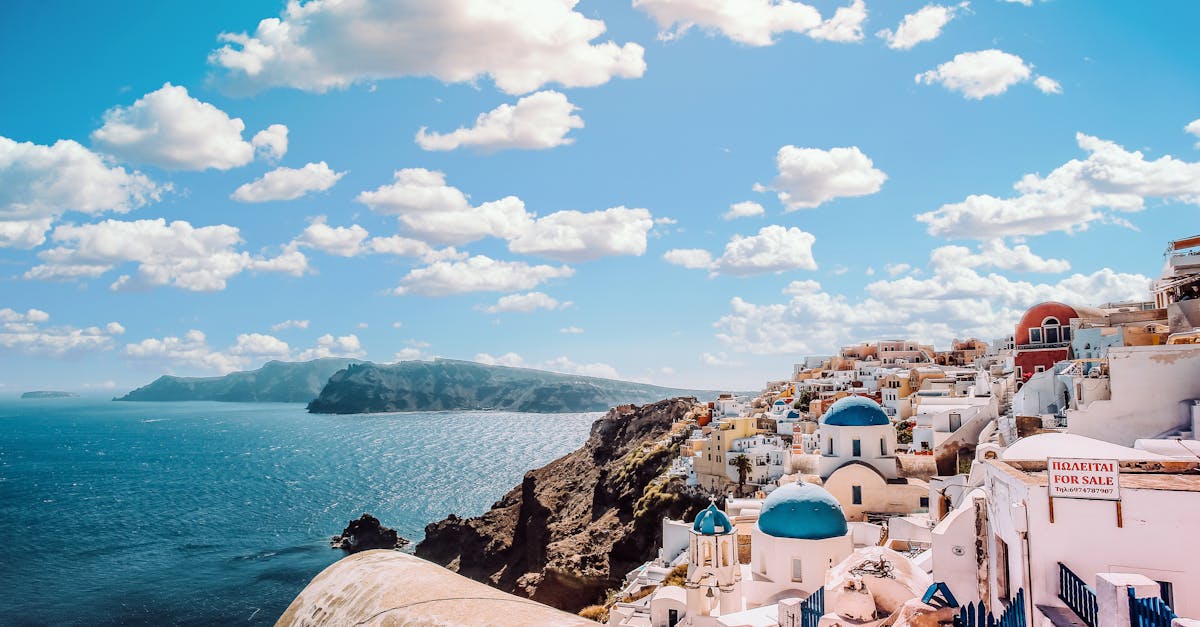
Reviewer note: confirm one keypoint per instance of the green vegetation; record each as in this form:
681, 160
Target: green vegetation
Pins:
744, 466
904, 432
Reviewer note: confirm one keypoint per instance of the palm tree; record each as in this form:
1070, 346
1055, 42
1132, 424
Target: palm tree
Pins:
743, 465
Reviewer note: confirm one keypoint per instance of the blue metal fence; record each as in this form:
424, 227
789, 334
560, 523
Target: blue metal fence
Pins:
978, 616
1152, 612
1078, 596
812, 608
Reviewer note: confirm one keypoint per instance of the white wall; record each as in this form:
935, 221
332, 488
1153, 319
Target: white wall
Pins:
1147, 384
771, 564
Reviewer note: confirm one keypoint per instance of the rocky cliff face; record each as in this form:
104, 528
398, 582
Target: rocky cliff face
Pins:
276, 382
574, 527
446, 384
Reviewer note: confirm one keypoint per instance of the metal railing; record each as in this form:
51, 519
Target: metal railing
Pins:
812, 608
1078, 596
978, 616
1151, 612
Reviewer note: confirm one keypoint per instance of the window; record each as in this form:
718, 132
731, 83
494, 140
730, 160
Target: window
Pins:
856, 446
856, 491
707, 560
831, 446
1019, 373
1066, 334
1166, 591
797, 570
925, 502
883, 447
1002, 577
1037, 369
672, 618
1035, 336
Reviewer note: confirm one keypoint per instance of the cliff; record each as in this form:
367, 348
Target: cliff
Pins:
447, 384
574, 527
275, 382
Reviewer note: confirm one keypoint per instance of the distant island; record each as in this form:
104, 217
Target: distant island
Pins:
446, 384
275, 382
49, 394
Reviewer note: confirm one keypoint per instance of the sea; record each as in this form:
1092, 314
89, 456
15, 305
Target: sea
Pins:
205, 513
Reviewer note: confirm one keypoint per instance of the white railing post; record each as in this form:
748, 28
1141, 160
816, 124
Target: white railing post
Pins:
1112, 596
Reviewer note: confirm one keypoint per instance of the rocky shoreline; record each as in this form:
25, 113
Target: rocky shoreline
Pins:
573, 528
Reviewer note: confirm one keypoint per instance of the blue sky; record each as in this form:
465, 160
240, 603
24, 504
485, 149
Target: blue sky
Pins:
194, 188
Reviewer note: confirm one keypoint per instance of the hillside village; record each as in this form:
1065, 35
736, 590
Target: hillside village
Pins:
1049, 477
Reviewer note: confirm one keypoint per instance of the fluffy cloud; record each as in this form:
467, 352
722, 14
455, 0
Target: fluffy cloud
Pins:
288, 183
811, 176
1072, 196
432, 210
571, 330
39, 183
955, 301
579, 236
978, 75
170, 129
192, 352
1194, 128
343, 241
719, 360
1047, 85
178, 254
895, 269
327, 44
272, 142
477, 274
330, 346
26, 332
559, 364
289, 324
754, 22
775, 249
744, 209
537, 122
924, 25
525, 303
408, 354
995, 254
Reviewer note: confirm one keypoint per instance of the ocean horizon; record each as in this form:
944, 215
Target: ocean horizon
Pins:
197, 513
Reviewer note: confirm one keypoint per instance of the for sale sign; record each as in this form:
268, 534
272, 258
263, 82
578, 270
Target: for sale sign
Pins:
1084, 478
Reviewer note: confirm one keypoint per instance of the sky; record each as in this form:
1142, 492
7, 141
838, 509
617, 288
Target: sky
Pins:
683, 192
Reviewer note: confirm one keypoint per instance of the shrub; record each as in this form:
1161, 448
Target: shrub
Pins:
598, 613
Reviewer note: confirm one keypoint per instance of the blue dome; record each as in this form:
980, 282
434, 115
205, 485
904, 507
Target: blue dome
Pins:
803, 511
855, 411
712, 522
793, 414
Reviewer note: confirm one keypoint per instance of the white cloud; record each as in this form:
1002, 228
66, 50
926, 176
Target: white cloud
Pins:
288, 183
1072, 196
579, 236
719, 360
325, 44
330, 346
39, 183
538, 121
343, 241
565, 365
956, 301
26, 332
994, 253
924, 25
397, 325
434, 211
525, 303
894, 269
1047, 85
571, 330
1027, 3
289, 324
753, 22
477, 274
1193, 127
977, 75
170, 129
744, 209
775, 249
408, 354
845, 25
511, 360
260, 346
809, 177
178, 254
271, 143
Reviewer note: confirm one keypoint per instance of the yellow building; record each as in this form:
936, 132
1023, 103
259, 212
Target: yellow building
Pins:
712, 463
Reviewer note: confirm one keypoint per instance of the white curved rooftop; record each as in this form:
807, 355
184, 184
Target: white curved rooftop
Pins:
1044, 445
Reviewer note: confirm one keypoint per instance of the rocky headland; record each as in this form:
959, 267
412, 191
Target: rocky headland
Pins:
574, 527
275, 382
365, 533
447, 384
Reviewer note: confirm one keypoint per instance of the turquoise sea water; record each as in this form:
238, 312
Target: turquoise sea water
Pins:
220, 513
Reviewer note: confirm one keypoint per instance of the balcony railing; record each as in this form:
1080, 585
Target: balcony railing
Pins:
1078, 596
1152, 612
